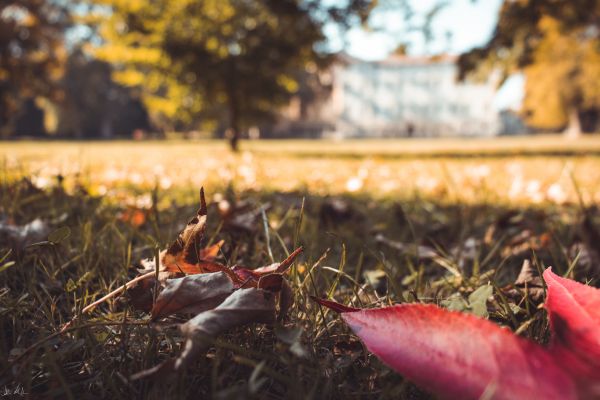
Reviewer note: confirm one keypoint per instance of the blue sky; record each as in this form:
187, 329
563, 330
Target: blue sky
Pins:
470, 24
458, 27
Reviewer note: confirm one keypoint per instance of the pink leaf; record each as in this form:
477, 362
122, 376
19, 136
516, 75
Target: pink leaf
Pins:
574, 312
459, 356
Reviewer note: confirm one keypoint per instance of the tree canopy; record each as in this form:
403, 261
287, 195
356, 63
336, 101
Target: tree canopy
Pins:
556, 44
225, 63
32, 52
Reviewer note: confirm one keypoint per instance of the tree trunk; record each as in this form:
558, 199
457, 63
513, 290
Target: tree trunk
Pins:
233, 133
573, 130
234, 140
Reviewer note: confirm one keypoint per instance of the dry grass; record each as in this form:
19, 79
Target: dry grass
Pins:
380, 169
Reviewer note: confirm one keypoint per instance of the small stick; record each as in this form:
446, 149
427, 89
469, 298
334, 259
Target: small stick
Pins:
156, 271
112, 294
267, 237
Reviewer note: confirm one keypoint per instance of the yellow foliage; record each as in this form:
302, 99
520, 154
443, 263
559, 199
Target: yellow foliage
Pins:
123, 54
564, 75
129, 77
288, 83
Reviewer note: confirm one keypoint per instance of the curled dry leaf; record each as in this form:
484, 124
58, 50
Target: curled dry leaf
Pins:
186, 254
192, 294
242, 307
528, 282
455, 355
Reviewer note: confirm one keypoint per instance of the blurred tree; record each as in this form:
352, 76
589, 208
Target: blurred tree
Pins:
230, 63
31, 53
563, 80
96, 106
557, 46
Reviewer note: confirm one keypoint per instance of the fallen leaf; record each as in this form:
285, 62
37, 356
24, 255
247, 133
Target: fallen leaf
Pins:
136, 217
252, 277
242, 216
478, 300
33, 231
211, 252
528, 281
456, 355
528, 275
242, 307
413, 250
192, 294
183, 255
574, 313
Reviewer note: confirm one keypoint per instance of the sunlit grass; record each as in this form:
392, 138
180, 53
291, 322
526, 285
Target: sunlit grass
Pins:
447, 171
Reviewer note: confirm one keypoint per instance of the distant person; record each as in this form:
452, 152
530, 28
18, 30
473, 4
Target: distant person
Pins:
410, 129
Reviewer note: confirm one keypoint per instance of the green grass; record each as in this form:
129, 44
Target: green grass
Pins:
478, 236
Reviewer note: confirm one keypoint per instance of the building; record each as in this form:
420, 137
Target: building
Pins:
410, 96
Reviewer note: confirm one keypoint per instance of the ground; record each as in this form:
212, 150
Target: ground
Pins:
400, 221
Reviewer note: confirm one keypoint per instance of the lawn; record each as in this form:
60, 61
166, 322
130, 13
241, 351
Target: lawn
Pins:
400, 221
506, 170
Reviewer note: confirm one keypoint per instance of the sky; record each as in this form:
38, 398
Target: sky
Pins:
457, 28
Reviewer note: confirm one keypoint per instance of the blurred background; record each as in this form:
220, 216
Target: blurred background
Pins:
396, 96
298, 68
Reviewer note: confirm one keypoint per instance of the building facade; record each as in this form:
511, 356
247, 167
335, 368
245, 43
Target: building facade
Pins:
408, 96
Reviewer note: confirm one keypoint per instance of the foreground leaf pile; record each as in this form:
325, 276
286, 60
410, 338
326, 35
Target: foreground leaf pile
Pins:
188, 280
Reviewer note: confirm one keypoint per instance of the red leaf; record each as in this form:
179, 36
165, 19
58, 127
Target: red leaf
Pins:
459, 356
337, 307
574, 312
251, 277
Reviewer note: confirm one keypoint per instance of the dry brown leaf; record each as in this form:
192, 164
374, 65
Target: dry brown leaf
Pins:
528, 281
242, 216
183, 255
420, 251
242, 307
135, 217
192, 294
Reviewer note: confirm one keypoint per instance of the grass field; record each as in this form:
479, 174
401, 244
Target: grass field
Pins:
398, 221
507, 170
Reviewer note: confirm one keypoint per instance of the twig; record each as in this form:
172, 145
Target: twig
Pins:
156, 271
266, 228
112, 294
